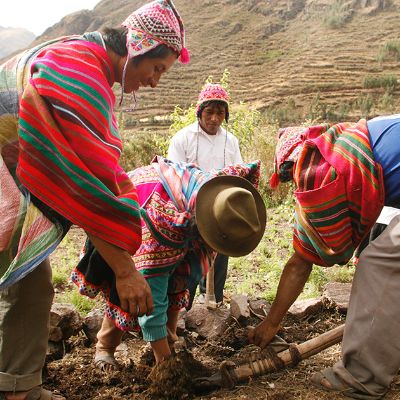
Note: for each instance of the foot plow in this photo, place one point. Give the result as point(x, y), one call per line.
point(230, 374)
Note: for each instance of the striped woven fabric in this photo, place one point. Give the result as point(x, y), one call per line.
point(339, 193)
point(70, 145)
point(68, 159)
point(27, 237)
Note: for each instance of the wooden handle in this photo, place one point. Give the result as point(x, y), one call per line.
point(305, 350)
point(210, 291)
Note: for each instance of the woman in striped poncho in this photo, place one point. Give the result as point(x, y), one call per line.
point(59, 165)
point(344, 175)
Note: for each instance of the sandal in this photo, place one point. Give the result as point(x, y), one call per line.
point(106, 363)
point(37, 393)
point(327, 380)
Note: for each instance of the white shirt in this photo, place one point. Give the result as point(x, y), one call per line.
point(387, 214)
point(192, 145)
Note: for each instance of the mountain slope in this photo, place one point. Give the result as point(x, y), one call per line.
point(12, 39)
point(283, 55)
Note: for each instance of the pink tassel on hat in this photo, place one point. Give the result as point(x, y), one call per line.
point(274, 181)
point(184, 56)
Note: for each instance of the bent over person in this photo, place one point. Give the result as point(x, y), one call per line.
point(59, 165)
point(344, 174)
point(207, 144)
point(188, 215)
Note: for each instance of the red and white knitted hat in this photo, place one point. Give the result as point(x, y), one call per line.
point(210, 92)
point(157, 22)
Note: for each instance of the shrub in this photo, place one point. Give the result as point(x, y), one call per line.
point(337, 14)
point(388, 82)
point(283, 114)
point(387, 102)
point(365, 104)
point(390, 50)
point(141, 148)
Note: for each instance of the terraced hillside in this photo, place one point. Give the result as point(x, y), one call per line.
point(298, 57)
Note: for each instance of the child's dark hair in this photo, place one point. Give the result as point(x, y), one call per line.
point(115, 39)
point(286, 171)
point(207, 103)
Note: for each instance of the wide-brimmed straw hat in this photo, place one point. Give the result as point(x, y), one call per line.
point(230, 215)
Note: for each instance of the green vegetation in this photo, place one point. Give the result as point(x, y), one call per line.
point(140, 149)
point(283, 114)
point(388, 82)
point(389, 51)
point(258, 274)
point(82, 304)
point(365, 104)
point(64, 262)
point(269, 56)
point(338, 13)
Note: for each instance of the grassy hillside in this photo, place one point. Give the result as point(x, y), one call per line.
point(293, 59)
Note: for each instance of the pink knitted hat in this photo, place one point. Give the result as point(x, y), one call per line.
point(289, 146)
point(290, 143)
point(156, 23)
point(212, 91)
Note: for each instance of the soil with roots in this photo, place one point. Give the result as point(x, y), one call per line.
point(75, 376)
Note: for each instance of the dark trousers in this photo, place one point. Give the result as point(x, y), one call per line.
point(220, 273)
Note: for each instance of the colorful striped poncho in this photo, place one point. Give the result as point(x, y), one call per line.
point(339, 193)
point(170, 241)
point(68, 143)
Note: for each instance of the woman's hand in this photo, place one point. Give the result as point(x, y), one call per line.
point(133, 291)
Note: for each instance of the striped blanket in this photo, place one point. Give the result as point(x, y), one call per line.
point(65, 155)
point(339, 193)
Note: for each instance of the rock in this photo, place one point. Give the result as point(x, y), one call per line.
point(239, 308)
point(65, 322)
point(92, 323)
point(181, 325)
point(55, 351)
point(304, 308)
point(260, 307)
point(235, 29)
point(207, 323)
point(338, 295)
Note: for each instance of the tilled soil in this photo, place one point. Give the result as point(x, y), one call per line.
point(75, 376)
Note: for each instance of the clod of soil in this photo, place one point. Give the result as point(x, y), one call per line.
point(173, 379)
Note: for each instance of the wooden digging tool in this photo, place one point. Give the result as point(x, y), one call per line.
point(230, 374)
point(209, 299)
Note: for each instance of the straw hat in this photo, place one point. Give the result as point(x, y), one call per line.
point(230, 215)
